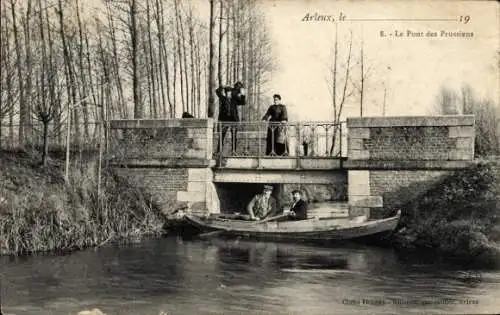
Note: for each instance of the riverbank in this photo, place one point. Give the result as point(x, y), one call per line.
point(40, 212)
point(458, 219)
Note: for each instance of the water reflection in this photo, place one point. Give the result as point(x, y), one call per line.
point(199, 277)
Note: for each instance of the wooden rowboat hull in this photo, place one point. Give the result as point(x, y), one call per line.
point(305, 230)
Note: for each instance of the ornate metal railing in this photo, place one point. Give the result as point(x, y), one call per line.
point(315, 139)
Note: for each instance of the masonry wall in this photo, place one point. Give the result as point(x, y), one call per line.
point(393, 160)
point(411, 138)
point(169, 140)
point(170, 158)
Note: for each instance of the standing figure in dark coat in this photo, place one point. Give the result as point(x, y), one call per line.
point(276, 135)
point(229, 100)
point(298, 210)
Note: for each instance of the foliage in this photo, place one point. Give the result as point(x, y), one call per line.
point(460, 217)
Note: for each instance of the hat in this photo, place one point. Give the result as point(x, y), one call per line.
point(268, 187)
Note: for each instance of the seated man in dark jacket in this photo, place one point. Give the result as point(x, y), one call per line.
point(298, 210)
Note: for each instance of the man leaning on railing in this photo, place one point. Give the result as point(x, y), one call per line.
point(229, 100)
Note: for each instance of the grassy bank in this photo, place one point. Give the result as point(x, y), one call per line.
point(459, 218)
point(40, 212)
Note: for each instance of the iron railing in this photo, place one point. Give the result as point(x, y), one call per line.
point(315, 139)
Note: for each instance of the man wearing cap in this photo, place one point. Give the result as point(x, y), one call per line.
point(230, 101)
point(262, 205)
point(298, 209)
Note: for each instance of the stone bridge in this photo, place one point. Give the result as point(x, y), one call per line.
point(368, 165)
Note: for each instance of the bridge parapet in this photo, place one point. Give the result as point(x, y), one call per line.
point(161, 142)
point(423, 138)
point(399, 158)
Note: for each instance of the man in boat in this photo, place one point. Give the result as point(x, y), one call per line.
point(262, 205)
point(298, 209)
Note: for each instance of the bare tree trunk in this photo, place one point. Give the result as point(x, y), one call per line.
point(228, 68)
point(160, 39)
point(174, 85)
point(106, 77)
point(54, 100)
point(251, 72)
point(221, 37)
point(362, 90)
point(338, 106)
point(163, 49)
point(192, 65)
point(116, 68)
point(235, 42)
point(182, 59)
point(71, 84)
point(184, 56)
point(198, 80)
point(211, 69)
point(152, 62)
point(89, 71)
point(42, 103)
point(29, 71)
point(22, 100)
point(5, 107)
point(148, 67)
point(83, 79)
point(138, 106)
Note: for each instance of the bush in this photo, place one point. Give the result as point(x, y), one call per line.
point(460, 217)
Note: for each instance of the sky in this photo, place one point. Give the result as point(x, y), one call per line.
point(412, 69)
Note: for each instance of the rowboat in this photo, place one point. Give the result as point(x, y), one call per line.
point(314, 229)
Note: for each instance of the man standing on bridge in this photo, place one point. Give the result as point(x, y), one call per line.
point(229, 100)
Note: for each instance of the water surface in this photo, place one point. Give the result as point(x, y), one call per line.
point(233, 277)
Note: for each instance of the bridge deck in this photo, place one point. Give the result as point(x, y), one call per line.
point(280, 163)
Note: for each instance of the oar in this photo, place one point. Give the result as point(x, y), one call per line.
point(273, 218)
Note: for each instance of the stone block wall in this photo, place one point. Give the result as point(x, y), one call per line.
point(161, 140)
point(393, 160)
point(169, 158)
point(189, 189)
point(411, 138)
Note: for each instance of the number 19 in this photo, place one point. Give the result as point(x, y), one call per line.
point(464, 19)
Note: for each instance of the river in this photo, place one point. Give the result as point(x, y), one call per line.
point(178, 276)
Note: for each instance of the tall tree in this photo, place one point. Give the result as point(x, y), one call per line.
point(211, 69)
point(133, 32)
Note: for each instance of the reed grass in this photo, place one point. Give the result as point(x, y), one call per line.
point(39, 212)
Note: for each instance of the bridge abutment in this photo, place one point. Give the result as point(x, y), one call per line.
point(170, 158)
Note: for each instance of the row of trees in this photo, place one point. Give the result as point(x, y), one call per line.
point(62, 59)
point(486, 112)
